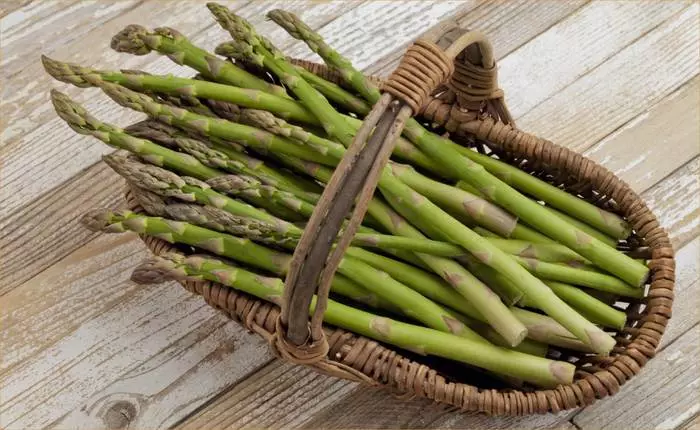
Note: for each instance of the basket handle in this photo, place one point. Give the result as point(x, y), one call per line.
point(427, 64)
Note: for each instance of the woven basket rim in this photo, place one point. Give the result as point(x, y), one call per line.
point(360, 359)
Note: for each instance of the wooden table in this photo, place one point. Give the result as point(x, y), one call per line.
point(82, 347)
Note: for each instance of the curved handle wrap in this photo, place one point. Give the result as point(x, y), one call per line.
point(424, 68)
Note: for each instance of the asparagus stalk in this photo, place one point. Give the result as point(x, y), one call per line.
point(586, 278)
point(533, 369)
point(137, 40)
point(573, 221)
point(168, 135)
point(263, 53)
point(475, 174)
point(410, 302)
point(488, 254)
point(506, 289)
point(220, 128)
point(334, 92)
point(473, 207)
point(420, 206)
point(238, 95)
point(172, 231)
point(590, 307)
point(467, 285)
point(168, 184)
point(603, 221)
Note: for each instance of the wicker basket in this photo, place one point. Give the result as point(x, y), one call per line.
point(471, 109)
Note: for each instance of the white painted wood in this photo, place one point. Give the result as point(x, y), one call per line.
point(663, 396)
point(81, 338)
point(391, 23)
point(687, 293)
point(619, 89)
point(654, 143)
point(508, 25)
point(78, 340)
point(47, 25)
point(592, 34)
point(48, 229)
point(675, 203)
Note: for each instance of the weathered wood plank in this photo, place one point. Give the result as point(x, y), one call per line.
point(33, 126)
point(622, 87)
point(47, 25)
point(664, 395)
point(80, 342)
point(507, 24)
point(392, 23)
point(48, 229)
point(279, 395)
point(593, 33)
point(653, 144)
point(693, 424)
point(675, 203)
point(687, 293)
point(9, 6)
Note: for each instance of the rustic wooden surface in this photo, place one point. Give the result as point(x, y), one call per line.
point(82, 347)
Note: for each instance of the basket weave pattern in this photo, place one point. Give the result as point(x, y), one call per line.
point(363, 360)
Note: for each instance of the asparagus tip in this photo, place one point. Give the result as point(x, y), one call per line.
point(131, 40)
point(157, 270)
point(70, 73)
point(151, 202)
point(286, 20)
point(97, 219)
point(73, 113)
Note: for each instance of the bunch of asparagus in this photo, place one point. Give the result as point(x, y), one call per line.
point(461, 256)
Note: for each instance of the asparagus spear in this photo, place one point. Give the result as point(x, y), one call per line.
point(263, 53)
point(241, 249)
point(589, 306)
point(238, 95)
point(586, 278)
point(603, 221)
point(475, 174)
point(168, 184)
point(573, 221)
point(172, 231)
point(137, 40)
point(533, 369)
point(168, 135)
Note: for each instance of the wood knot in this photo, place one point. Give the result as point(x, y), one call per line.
point(120, 415)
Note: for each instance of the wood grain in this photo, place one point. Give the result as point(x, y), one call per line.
point(621, 88)
point(538, 70)
point(48, 228)
point(47, 25)
point(670, 127)
point(675, 203)
point(9, 6)
point(693, 424)
point(687, 293)
point(81, 341)
point(280, 395)
point(664, 395)
point(508, 25)
point(85, 348)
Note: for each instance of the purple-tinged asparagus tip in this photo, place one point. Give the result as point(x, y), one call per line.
point(130, 39)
